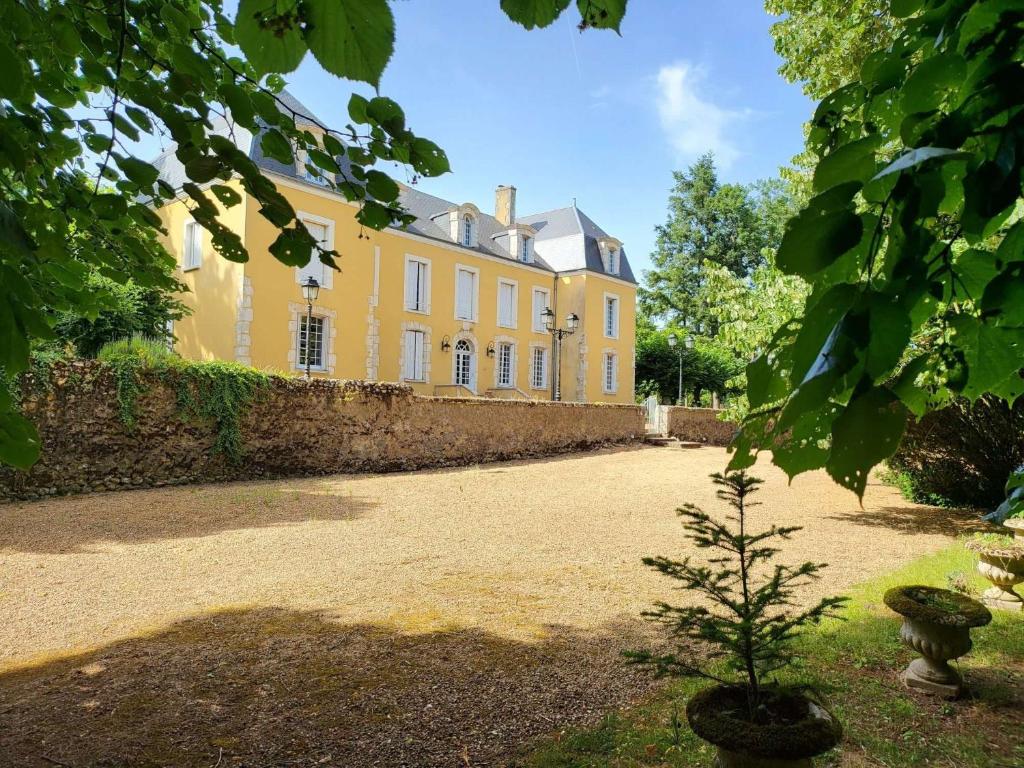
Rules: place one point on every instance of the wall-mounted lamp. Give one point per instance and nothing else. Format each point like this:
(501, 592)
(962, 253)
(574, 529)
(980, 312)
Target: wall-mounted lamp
(446, 344)
(490, 349)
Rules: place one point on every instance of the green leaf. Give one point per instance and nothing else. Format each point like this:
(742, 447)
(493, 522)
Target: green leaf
(850, 162)
(374, 215)
(292, 247)
(227, 195)
(13, 81)
(534, 13)
(387, 114)
(138, 171)
(867, 432)
(428, 159)
(19, 440)
(916, 157)
(357, 108)
(277, 147)
(901, 9)
(928, 84)
(813, 241)
(353, 39)
(203, 169)
(381, 186)
(602, 14)
(270, 39)
(109, 206)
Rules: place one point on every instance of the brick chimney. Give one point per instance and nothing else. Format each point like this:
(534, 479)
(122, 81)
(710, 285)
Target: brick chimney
(505, 205)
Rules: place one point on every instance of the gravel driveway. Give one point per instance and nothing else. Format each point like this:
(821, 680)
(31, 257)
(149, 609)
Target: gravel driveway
(429, 618)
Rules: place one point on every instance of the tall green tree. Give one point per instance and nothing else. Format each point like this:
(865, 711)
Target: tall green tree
(708, 367)
(708, 221)
(823, 43)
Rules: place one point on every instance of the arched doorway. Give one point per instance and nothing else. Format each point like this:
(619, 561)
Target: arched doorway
(465, 364)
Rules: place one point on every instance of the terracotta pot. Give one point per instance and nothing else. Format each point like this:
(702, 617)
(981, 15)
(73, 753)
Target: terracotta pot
(808, 730)
(937, 624)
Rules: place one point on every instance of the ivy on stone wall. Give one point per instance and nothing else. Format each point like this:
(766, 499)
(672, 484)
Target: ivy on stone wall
(215, 392)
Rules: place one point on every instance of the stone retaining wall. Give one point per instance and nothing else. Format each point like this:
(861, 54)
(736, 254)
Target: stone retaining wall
(293, 428)
(699, 425)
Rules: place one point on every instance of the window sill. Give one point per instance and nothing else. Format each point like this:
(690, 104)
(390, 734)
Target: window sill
(191, 269)
(509, 327)
(418, 311)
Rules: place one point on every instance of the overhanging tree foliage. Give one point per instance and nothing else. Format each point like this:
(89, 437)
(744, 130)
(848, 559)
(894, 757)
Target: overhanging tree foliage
(915, 219)
(81, 82)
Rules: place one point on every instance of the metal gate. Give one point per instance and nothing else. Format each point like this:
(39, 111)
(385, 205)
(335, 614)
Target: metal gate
(656, 416)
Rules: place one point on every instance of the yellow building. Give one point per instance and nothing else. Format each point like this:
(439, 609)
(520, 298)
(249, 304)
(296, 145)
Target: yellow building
(453, 304)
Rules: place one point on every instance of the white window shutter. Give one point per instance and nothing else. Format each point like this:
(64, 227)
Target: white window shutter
(411, 275)
(409, 367)
(464, 294)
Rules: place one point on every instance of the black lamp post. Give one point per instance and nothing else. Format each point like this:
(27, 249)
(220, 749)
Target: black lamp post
(688, 345)
(572, 321)
(310, 290)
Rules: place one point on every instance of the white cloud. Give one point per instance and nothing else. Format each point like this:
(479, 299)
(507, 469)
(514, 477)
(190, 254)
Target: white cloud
(694, 124)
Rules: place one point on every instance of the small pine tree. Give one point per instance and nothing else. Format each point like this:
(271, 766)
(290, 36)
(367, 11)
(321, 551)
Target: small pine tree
(752, 620)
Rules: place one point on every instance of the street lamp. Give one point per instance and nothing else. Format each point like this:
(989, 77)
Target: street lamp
(310, 290)
(572, 322)
(687, 345)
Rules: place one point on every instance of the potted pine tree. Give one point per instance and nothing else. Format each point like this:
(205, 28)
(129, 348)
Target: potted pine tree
(749, 626)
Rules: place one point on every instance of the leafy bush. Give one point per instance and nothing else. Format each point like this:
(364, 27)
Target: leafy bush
(962, 454)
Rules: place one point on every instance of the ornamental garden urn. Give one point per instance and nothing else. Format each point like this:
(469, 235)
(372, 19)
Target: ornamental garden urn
(937, 624)
(1001, 562)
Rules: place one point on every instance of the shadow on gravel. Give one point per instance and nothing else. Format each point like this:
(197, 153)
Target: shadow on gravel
(277, 687)
(915, 519)
(81, 523)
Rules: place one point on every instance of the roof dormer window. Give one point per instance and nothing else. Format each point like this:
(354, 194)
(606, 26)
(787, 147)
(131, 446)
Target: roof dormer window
(526, 249)
(611, 254)
(463, 223)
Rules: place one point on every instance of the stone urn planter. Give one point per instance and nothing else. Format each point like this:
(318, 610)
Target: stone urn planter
(1016, 524)
(937, 624)
(1002, 564)
(796, 728)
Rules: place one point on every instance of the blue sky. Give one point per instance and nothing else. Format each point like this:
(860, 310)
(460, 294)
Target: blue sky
(595, 116)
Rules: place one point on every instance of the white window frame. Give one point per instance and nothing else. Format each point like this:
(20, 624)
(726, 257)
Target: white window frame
(475, 308)
(467, 230)
(425, 303)
(543, 350)
(511, 381)
(300, 364)
(419, 360)
(610, 365)
(514, 320)
(613, 261)
(471, 384)
(326, 279)
(615, 318)
(537, 321)
(525, 249)
(187, 243)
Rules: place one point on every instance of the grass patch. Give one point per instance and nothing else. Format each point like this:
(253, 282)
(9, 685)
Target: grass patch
(854, 664)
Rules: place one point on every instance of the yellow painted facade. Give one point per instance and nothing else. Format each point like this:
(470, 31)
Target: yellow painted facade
(253, 312)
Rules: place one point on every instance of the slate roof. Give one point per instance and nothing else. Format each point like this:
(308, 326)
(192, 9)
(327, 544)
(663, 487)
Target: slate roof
(555, 247)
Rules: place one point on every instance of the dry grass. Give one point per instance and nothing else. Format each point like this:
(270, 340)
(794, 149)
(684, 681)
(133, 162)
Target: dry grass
(427, 618)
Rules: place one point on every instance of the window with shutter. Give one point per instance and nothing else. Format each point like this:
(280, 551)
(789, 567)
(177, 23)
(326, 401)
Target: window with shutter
(193, 246)
(413, 366)
(315, 268)
(465, 294)
(506, 304)
(540, 303)
(417, 285)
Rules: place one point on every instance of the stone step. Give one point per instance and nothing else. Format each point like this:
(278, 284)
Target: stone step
(659, 440)
(690, 444)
